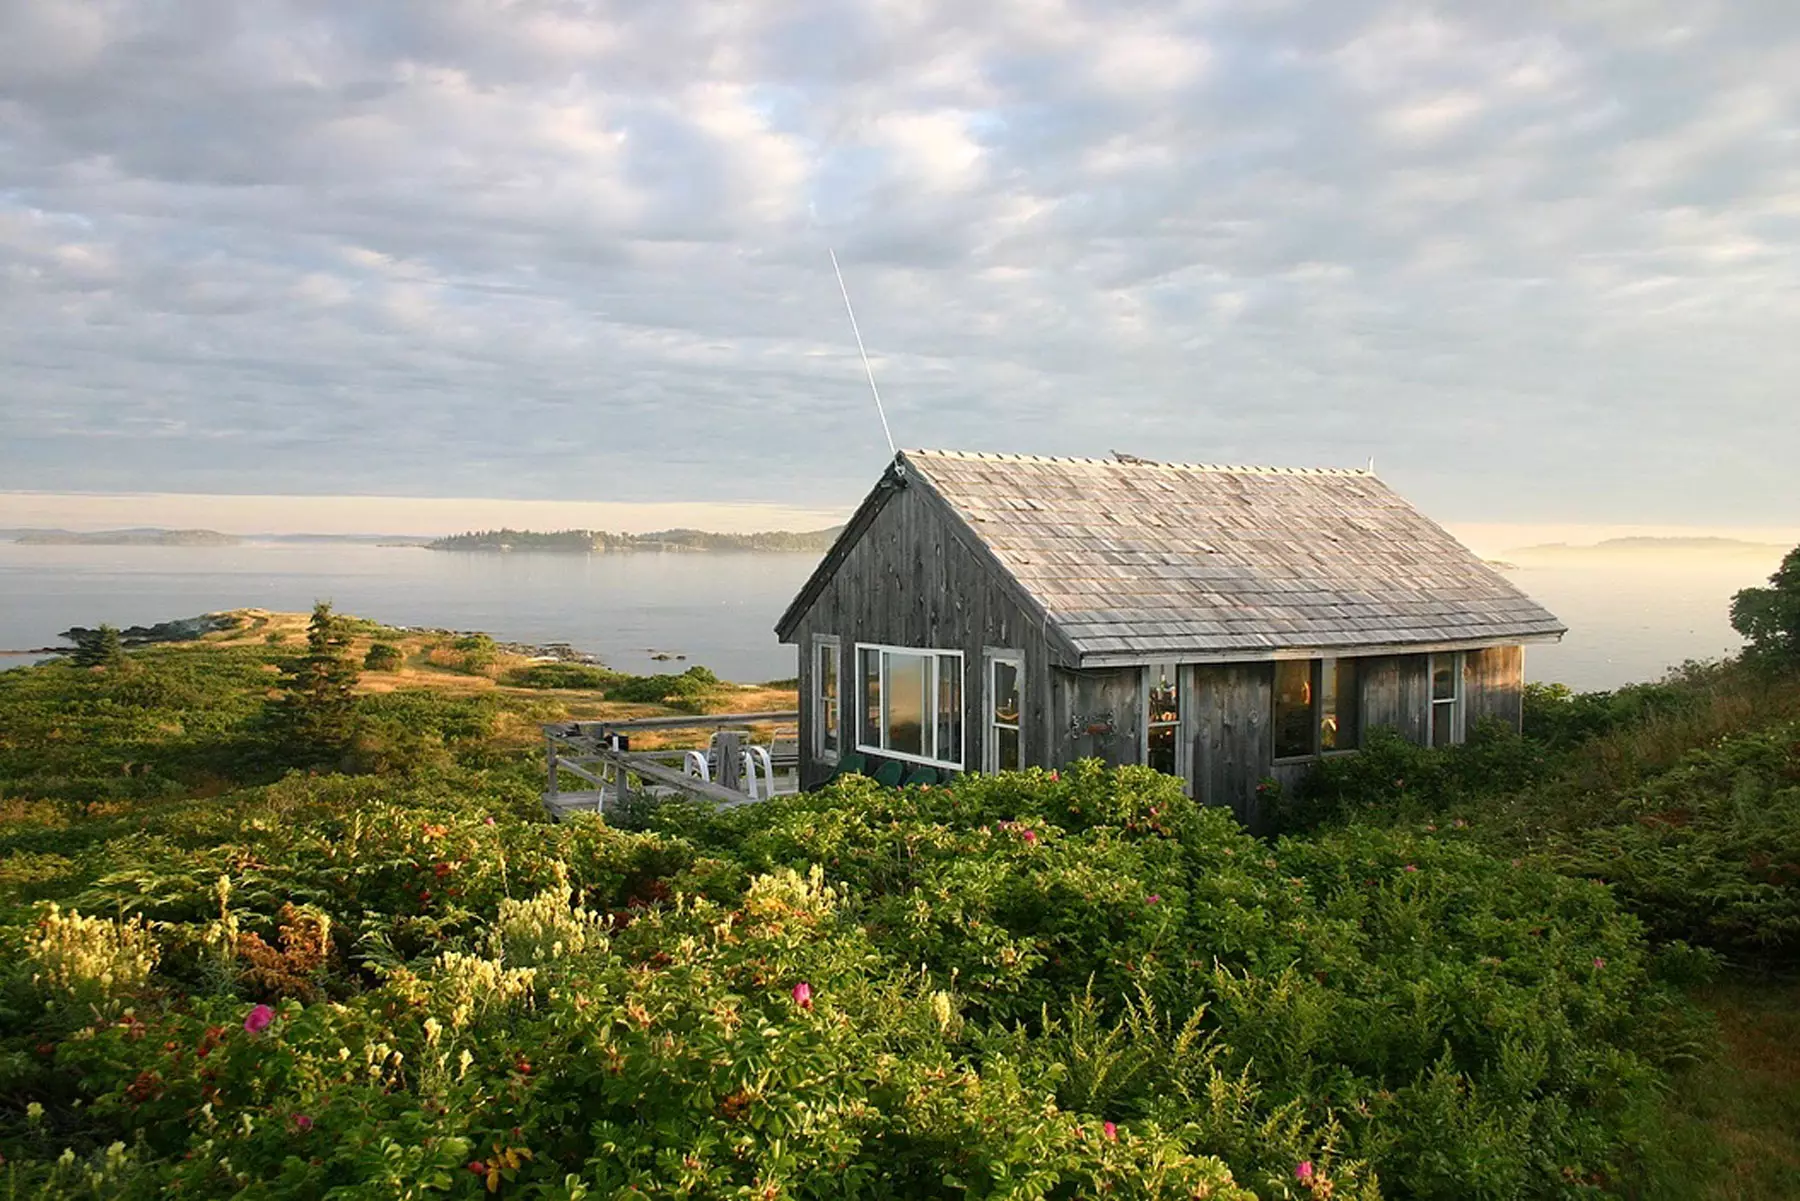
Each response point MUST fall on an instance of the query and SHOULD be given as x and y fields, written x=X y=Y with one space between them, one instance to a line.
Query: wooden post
x=550 y=750
x=730 y=748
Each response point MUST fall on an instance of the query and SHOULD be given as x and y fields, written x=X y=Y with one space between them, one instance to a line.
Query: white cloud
x=533 y=246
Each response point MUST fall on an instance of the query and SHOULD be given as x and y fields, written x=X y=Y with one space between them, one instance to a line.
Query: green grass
x=1732 y=1128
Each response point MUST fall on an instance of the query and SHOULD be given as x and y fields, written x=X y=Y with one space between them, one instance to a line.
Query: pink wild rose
x=1411 y=868
x=302 y=1122
x=259 y=1019
x=803 y=995
x=1598 y=962
x=1303 y=1171
x=1029 y=836
x=1153 y=898
x=1111 y=1131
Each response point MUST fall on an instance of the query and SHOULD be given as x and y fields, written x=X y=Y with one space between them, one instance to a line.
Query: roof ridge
x=1222 y=468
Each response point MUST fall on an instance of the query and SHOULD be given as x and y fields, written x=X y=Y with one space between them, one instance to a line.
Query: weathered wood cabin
x=1226 y=625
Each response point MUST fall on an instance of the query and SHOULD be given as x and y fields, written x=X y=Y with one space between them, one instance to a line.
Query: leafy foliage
x=690 y=690
x=1769 y=618
x=561 y=675
x=383 y=656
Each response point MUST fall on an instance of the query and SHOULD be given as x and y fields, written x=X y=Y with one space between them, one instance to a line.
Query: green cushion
x=888 y=774
x=852 y=764
x=920 y=775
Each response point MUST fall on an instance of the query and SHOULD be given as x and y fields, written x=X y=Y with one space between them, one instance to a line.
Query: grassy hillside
x=1511 y=970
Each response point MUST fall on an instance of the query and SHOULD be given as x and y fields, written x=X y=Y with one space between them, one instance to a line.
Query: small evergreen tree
x=314 y=720
x=99 y=648
x=1769 y=618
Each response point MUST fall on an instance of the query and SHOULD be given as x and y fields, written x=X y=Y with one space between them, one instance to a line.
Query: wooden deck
x=607 y=772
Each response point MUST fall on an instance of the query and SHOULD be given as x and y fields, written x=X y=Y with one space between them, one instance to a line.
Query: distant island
x=1643 y=545
x=601 y=541
x=136 y=537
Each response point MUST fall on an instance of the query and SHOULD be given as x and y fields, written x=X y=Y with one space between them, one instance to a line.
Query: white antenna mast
x=892 y=449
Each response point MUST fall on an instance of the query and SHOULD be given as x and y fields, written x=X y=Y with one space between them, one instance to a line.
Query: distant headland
x=1650 y=545
x=603 y=542
x=134 y=537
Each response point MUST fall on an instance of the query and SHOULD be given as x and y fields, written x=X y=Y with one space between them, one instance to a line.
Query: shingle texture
x=1134 y=559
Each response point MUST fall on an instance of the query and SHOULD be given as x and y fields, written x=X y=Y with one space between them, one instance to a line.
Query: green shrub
x=1709 y=852
x=383 y=656
x=561 y=675
x=690 y=690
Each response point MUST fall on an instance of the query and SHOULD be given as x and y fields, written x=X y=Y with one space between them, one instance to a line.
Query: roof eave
x=1103 y=659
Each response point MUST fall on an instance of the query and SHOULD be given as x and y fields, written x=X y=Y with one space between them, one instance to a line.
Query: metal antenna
x=839 y=271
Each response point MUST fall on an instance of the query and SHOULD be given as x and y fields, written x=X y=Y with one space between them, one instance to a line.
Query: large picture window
x=1005 y=673
x=912 y=704
x=1315 y=707
x=827 y=699
x=1446 y=699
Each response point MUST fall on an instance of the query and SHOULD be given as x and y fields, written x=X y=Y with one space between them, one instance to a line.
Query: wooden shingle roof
x=1136 y=561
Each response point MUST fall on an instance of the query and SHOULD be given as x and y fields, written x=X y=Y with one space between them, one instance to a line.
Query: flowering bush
x=1033 y=984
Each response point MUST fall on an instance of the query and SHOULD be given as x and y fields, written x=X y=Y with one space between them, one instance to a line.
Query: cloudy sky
x=1540 y=260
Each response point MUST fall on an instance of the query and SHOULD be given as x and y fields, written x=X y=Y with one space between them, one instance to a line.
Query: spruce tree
x=99 y=648
x=314 y=721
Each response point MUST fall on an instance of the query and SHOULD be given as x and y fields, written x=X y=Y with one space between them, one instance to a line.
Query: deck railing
x=598 y=755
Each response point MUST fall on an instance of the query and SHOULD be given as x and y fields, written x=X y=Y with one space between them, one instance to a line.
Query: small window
x=912 y=704
x=1338 y=713
x=1004 y=695
x=827 y=701
x=1162 y=719
x=1296 y=718
x=1446 y=699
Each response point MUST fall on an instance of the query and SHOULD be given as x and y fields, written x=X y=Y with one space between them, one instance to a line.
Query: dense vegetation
x=1461 y=974
x=585 y=541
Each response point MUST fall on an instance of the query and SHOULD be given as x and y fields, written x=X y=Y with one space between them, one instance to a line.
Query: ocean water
x=1630 y=616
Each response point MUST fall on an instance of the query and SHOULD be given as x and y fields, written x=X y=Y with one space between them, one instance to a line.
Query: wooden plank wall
x=1231 y=744
x=1396 y=692
x=1494 y=685
x=910 y=581
x=1080 y=699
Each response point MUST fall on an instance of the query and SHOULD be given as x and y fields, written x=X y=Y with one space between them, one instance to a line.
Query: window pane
x=871 y=686
x=1165 y=702
x=1337 y=724
x=1006 y=749
x=828 y=697
x=908 y=676
x=1162 y=748
x=1006 y=692
x=949 y=709
x=1295 y=715
x=1443 y=677
x=1443 y=723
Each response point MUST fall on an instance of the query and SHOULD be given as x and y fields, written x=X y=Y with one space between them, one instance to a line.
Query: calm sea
x=1629 y=617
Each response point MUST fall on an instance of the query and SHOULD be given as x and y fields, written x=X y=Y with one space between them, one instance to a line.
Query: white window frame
x=937 y=657
x=819 y=700
x=1183 y=771
x=1458 y=710
x=990 y=745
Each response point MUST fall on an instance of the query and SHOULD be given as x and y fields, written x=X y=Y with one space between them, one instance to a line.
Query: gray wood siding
x=1233 y=747
x=911 y=581
x=1080 y=699
x=1494 y=685
x=1396 y=693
